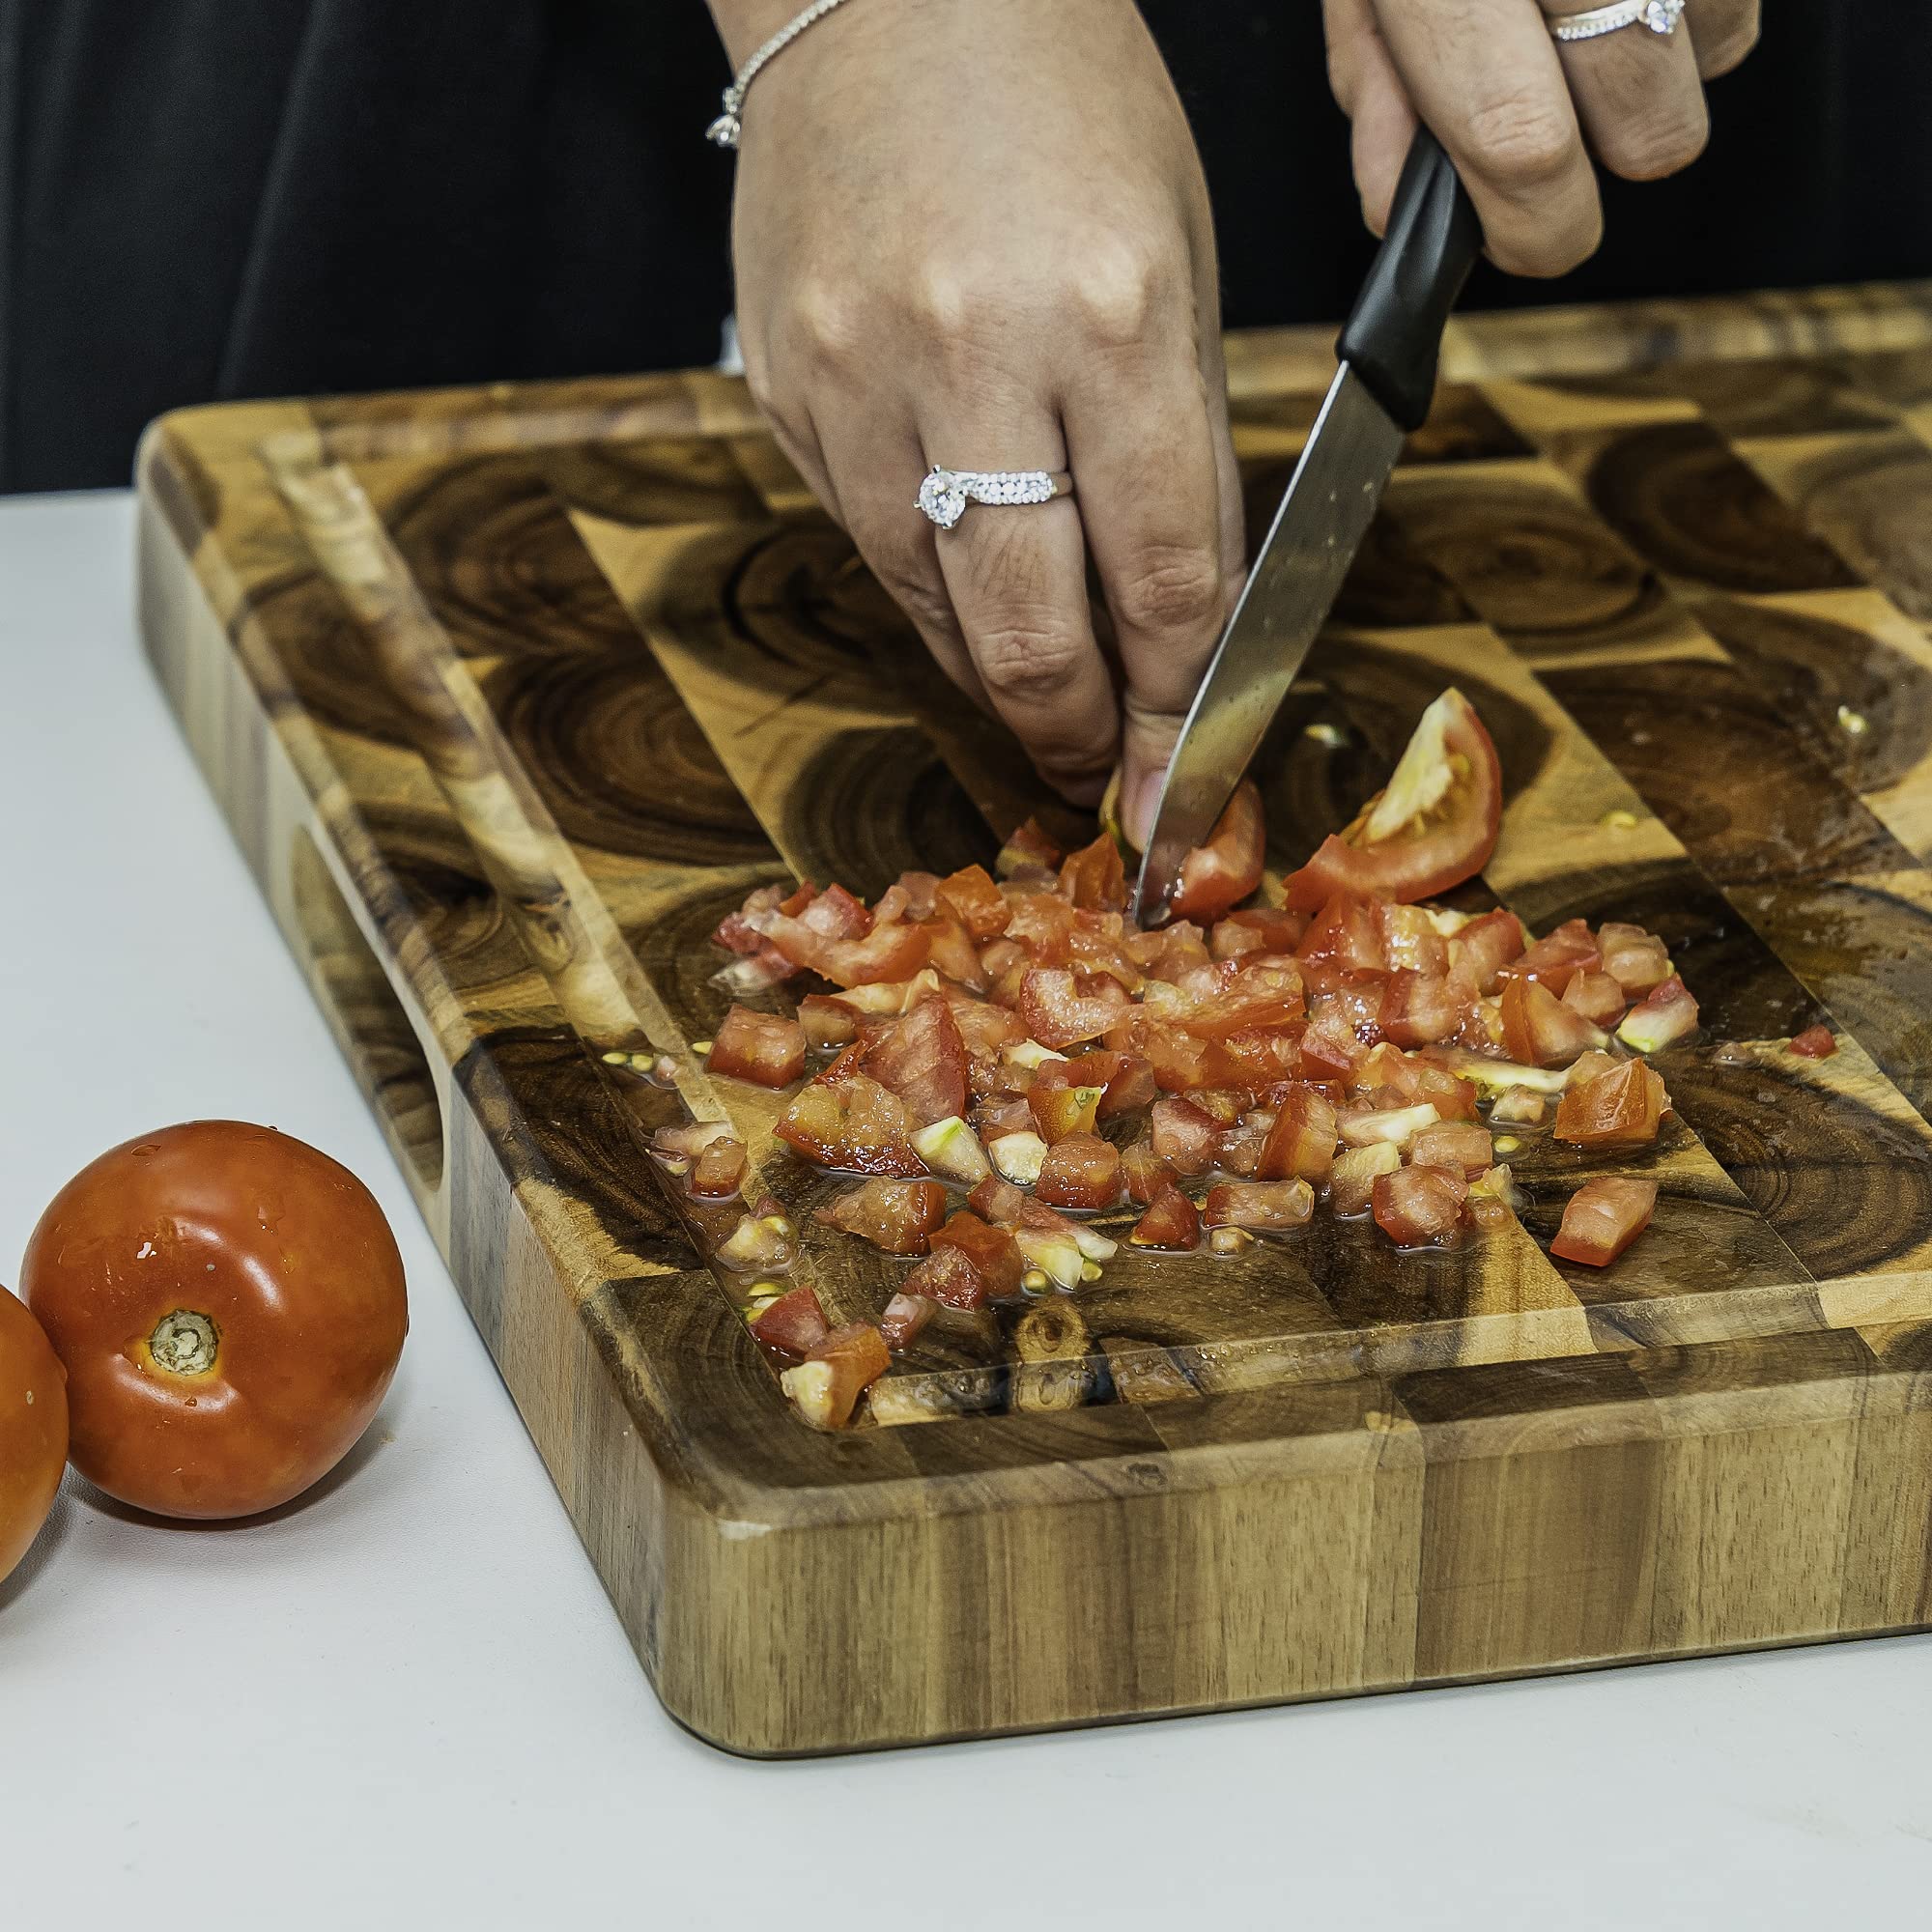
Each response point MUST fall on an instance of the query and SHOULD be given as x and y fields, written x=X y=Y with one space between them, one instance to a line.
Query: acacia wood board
x=510 y=692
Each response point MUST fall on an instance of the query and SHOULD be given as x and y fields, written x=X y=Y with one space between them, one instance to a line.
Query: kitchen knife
x=1388 y=352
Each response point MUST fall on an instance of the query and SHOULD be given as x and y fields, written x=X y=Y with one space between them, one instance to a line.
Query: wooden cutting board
x=510 y=692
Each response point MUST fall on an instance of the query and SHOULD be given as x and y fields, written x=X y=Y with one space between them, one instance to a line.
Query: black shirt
x=221 y=198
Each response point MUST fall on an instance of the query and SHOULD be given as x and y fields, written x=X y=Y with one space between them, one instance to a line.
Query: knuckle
x=1648 y=150
x=913 y=590
x=1524 y=142
x=1178 y=588
x=1022 y=658
x=829 y=322
x=1120 y=284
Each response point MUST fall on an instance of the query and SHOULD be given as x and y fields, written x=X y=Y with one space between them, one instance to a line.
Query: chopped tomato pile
x=991 y=1059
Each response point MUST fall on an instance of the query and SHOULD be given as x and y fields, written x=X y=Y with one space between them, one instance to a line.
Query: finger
x=875 y=468
x=1485 y=75
x=1141 y=437
x=1638 y=98
x=1723 y=32
x=1368 y=89
x=1017 y=579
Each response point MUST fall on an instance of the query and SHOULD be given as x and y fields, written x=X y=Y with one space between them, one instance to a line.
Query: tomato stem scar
x=184 y=1343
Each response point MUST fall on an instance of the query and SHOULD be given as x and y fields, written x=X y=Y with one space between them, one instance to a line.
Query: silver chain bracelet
x=725 y=129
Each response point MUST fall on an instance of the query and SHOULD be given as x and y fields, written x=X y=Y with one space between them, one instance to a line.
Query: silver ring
x=1661 y=17
x=946 y=493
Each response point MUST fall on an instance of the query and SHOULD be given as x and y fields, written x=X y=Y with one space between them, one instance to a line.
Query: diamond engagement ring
x=1661 y=17
x=946 y=493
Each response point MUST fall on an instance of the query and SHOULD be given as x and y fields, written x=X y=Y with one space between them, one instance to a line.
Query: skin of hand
x=1521 y=113
x=974 y=233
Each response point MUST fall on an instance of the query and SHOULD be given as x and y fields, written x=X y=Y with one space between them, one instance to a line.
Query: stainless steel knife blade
x=1330 y=502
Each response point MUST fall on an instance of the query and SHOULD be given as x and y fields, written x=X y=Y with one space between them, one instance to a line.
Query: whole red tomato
x=229 y=1304
x=33 y=1428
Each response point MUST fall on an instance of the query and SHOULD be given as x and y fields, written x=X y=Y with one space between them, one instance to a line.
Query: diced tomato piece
x=1300 y=1146
x=1169 y=1222
x=1493 y=1201
x=1042 y=923
x=997 y=1200
x=948 y=1277
x=794 y=905
x=1330 y=1048
x=921 y=1057
x=720 y=1170
x=896 y=1215
x=1815 y=1043
x=1418 y=1010
x=1595 y=996
x=921 y=891
x=1345 y=933
x=1257 y=929
x=1479 y=953
x=990 y=1249
x=1410 y=1079
x=1126 y=1080
x=1176 y=949
x=794 y=1323
x=1222 y=1103
x=1255 y=1061
x=1635 y=959
x=1665 y=1014
x=1231 y=997
x=1410 y=941
x=1143 y=1172
x=1557 y=958
x=827 y=1022
x=1178 y=1060
x=887 y=999
x=1519 y=1107
x=1218 y=875
x=1183 y=1135
x=905 y=1318
x=851 y=1121
x=1027 y=846
x=763 y=1048
x=1094 y=876
x=1435 y=826
x=1058 y=1013
x=1058 y=1107
x=1602 y=1218
x=1351 y=1186
x=827 y=1383
x=1420 y=1206
x=1241 y=1148
x=836 y=914
x=985 y=1028
x=1261 y=1207
x=689 y=1138
x=976 y=903
x=952 y=953
x=1539 y=1030
x=1461 y=1145
x=1619 y=1107
x=888 y=951
x=1000 y=1118
x=1082 y=1171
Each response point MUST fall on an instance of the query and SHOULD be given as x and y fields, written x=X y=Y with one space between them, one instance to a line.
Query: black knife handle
x=1394 y=333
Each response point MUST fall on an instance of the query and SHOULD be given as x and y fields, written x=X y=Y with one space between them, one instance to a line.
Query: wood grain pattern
x=510 y=692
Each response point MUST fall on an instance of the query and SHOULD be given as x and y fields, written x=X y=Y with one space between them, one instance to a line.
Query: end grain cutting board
x=509 y=693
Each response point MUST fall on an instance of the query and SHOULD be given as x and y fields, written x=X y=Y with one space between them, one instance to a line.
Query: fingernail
x=1142 y=796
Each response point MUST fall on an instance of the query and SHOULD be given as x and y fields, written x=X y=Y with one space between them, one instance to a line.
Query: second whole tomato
x=229 y=1305
x=33 y=1428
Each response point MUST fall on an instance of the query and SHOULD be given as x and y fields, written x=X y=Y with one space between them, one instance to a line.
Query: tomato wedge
x=1433 y=827
x=1602 y=1218
x=1215 y=877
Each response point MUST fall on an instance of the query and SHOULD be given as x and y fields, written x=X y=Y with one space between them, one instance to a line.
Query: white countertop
x=407 y=1702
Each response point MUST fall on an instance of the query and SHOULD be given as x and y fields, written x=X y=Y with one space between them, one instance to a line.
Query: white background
x=405 y=1701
